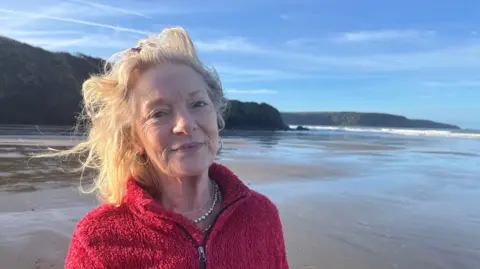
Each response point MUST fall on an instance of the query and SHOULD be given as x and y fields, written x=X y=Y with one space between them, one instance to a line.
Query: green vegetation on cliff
x=359 y=119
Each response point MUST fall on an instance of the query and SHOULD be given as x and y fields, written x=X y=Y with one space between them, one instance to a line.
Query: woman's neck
x=185 y=194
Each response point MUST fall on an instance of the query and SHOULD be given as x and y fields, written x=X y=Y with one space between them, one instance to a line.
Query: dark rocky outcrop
x=44 y=88
x=250 y=115
x=41 y=87
x=359 y=119
x=301 y=128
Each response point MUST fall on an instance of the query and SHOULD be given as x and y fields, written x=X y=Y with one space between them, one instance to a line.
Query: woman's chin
x=191 y=165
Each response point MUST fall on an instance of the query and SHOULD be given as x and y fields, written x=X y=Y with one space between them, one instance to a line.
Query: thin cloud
x=303 y=42
x=51 y=43
x=300 y=64
x=453 y=84
x=83 y=22
x=110 y=8
x=229 y=44
x=28 y=33
x=465 y=55
x=86 y=41
x=381 y=35
x=453 y=57
x=241 y=74
x=25 y=22
x=236 y=91
x=66 y=43
x=230 y=70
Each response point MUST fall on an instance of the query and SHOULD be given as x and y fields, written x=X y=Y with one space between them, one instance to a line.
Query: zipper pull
x=203 y=259
x=201 y=251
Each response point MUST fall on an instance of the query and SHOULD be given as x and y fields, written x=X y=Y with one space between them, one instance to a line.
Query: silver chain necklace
x=210 y=210
x=220 y=201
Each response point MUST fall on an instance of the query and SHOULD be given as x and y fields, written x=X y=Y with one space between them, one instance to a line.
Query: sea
x=349 y=197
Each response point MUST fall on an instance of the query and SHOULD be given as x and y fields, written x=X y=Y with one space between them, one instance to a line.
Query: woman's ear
x=137 y=145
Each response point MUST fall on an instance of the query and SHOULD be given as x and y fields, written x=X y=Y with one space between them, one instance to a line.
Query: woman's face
x=176 y=122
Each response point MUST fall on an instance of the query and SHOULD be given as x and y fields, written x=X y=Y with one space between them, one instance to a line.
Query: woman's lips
x=189 y=147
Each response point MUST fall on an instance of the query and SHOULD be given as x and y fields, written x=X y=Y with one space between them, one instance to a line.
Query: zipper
x=203 y=259
x=201 y=248
x=218 y=215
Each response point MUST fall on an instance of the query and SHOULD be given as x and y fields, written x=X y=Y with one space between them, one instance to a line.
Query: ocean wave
x=398 y=131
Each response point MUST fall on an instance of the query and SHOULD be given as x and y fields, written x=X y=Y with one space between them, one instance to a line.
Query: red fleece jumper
x=140 y=233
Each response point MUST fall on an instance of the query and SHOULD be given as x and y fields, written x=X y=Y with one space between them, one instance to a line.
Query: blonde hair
x=108 y=112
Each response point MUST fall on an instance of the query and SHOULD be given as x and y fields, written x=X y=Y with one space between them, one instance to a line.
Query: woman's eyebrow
x=155 y=102
x=161 y=101
x=194 y=93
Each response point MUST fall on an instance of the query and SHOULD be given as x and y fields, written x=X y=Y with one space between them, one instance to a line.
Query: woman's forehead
x=170 y=81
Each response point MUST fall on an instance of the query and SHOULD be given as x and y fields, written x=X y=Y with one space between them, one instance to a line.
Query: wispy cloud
x=465 y=55
x=30 y=33
x=71 y=20
x=87 y=41
x=382 y=35
x=242 y=74
x=263 y=91
x=110 y=8
x=230 y=70
x=303 y=41
x=453 y=84
x=462 y=55
x=434 y=93
x=280 y=62
x=228 y=44
x=66 y=43
x=25 y=22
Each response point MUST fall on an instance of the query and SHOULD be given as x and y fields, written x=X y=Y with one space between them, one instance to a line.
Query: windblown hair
x=108 y=111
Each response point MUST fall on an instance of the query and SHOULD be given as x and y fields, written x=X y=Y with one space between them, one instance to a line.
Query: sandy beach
x=345 y=201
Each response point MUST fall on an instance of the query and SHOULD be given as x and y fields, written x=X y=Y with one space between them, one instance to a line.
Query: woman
x=153 y=135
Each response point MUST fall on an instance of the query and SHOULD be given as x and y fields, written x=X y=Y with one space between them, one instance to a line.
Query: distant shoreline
x=64 y=135
x=451 y=133
x=360 y=119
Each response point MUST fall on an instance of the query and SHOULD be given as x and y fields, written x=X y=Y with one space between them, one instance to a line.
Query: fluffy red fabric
x=142 y=234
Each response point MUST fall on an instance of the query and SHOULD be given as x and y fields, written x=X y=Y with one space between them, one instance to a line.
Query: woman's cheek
x=158 y=135
x=153 y=134
x=147 y=127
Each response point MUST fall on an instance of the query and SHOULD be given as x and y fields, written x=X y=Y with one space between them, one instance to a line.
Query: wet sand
x=35 y=227
x=339 y=210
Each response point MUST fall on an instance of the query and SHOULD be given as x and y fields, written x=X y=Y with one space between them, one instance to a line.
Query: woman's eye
x=158 y=114
x=199 y=104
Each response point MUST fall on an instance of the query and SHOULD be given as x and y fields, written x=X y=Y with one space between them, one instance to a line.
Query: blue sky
x=420 y=59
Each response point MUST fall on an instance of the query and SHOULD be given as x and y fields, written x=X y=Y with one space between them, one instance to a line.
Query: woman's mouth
x=189 y=147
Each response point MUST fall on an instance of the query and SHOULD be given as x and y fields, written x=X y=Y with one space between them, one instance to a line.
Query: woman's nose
x=184 y=123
